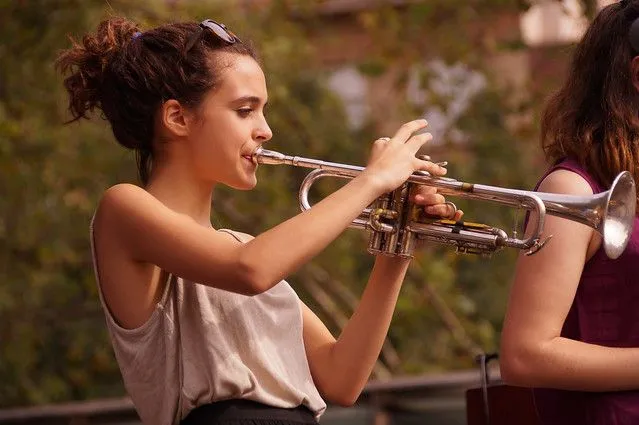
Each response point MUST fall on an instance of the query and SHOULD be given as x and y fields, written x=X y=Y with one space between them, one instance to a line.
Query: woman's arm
x=532 y=351
x=341 y=368
x=148 y=232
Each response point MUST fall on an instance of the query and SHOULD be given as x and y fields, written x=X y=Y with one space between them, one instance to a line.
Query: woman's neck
x=182 y=192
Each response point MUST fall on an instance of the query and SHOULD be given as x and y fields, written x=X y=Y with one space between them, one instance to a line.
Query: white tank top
x=203 y=344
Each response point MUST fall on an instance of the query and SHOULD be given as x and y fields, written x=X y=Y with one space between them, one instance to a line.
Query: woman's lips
x=249 y=158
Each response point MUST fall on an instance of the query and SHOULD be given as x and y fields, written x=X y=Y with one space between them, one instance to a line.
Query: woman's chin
x=245 y=185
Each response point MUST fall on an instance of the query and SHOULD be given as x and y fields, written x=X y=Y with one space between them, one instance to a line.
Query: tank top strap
x=571 y=164
x=238 y=236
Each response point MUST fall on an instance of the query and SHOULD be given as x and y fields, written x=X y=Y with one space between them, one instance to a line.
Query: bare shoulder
x=123 y=190
x=123 y=198
x=565 y=181
x=129 y=206
x=126 y=213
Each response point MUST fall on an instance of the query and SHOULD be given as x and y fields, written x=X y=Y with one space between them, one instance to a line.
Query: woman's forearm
x=572 y=365
x=358 y=346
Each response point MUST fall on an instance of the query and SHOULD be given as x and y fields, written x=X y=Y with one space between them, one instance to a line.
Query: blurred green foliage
x=53 y=342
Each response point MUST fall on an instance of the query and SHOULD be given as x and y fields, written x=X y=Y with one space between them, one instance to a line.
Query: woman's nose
x=264 y=133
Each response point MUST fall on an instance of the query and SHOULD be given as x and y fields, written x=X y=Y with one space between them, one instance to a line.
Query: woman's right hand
x=393 y=160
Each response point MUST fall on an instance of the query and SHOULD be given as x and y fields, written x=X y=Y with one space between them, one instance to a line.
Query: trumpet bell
x=620 y=210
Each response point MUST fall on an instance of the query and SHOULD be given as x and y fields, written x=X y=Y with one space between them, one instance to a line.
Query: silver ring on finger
x=384 y=139
x=452 y=216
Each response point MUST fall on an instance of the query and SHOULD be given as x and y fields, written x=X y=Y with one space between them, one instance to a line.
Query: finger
x=452 y=208
x=428 y=158
x=432 y=168
x=429 y=199
x=447 y=210
x=422 y=190
x=378 y=146
x=439 y=210
x=380 y=142
x=407 y=130
x=418 y=140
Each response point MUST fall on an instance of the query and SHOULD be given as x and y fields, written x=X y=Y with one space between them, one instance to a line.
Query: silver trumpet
x=395 y=223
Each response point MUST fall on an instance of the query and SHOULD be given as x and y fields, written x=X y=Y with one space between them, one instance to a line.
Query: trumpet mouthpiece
x=264 y=156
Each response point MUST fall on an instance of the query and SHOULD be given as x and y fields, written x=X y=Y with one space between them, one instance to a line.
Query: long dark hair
x=594 y=117
x=128 y=74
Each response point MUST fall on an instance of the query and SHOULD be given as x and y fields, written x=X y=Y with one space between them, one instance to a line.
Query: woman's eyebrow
x=253 y=100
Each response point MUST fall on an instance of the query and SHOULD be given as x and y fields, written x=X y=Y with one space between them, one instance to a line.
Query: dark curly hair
x=594 y=117
x=128 y=74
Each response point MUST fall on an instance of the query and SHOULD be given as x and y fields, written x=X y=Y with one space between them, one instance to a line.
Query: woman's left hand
x=434 y=203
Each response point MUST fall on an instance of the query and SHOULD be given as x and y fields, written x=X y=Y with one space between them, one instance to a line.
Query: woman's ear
x=634 y=72
x=173 y=118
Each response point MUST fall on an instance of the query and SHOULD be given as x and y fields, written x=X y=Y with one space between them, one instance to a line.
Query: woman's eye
x=244 y=112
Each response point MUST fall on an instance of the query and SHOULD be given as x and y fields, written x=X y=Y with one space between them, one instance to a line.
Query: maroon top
x=605 y=311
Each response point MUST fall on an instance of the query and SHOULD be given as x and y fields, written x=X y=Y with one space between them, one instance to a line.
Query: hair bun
x=87 y=60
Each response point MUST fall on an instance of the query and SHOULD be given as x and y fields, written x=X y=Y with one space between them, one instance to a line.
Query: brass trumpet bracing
x=396 y=223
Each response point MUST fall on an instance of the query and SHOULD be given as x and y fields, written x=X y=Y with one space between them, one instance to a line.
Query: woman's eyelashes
x=244 y=112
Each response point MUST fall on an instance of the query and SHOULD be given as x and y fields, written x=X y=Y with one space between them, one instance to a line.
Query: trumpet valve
x=376 y=220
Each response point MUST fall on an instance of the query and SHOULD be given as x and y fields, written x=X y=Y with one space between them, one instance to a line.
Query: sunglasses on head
x=216 y=28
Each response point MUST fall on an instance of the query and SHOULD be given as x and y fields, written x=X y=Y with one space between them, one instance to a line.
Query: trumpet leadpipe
x=263 y=156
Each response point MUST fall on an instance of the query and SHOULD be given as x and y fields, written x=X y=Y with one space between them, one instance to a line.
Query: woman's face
x=231 y=125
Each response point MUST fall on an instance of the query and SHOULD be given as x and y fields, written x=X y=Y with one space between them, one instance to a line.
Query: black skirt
x=247 y=412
